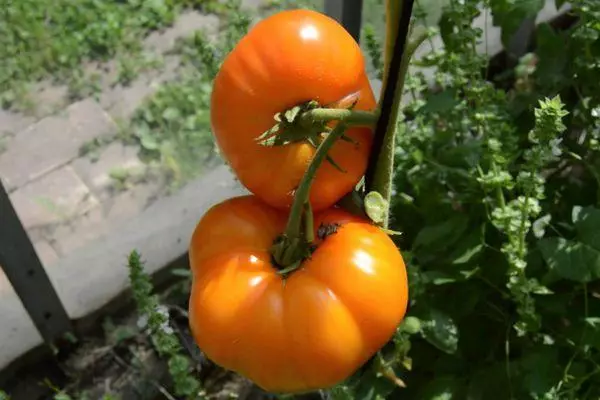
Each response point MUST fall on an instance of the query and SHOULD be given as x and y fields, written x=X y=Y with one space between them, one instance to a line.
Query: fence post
x=348 y=13
x=27 y=276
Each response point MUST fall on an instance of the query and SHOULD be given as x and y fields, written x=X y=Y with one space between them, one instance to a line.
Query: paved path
x=64 y=199
x=68 y=201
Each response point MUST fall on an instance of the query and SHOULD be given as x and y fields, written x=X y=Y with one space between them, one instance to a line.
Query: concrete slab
x=17 y=332
x=122 y=101
x=45 y=252
x=12 y=122
x=96 y=173
x=161 y=234
x=99 y=221
x=185 y=25
x=52 y=142
x=57 y=196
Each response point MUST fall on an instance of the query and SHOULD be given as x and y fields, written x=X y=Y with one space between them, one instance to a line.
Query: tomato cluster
x=314 y=325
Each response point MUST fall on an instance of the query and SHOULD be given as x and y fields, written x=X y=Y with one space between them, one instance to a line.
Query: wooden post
x=27 y=276
x=348 y=13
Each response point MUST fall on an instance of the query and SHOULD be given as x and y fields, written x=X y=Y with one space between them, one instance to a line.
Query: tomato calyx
x=309 y=122
x=290 y=127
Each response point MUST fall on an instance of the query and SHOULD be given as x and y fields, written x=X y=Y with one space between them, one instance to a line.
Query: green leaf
x=438 y=278
x=468 y=248
x=542 y=370
x=551 y=63
x=372 y=386
x=431 y=10
x=440 y=330
x=540 y=224
x=509 y=14
x=183 y=272
x=491 y=382
x=376 y=207
x=171 y=114
x=587 y=223
x=441 y=388
x=411 y=325
x=437 y=237
x=148 y=141
x=593 y=322
x=571 y=260
x=441 y=102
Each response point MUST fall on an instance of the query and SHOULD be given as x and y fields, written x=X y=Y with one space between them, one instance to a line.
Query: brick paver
x=56 y=197
x=52 y=142
x=96 y=173
x=12 y=122
x=46 y=253
x=97 y=222
x=185 y=25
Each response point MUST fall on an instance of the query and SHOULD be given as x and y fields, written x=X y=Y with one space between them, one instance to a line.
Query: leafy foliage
x=498 y=201
x=156 y=319
x=172 y=127
x=48 y=38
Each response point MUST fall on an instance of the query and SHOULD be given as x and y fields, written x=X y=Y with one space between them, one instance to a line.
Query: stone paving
x=65 y=200
x=68 y=201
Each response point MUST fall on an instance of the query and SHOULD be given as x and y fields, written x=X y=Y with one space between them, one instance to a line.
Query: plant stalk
x=286 y=252
x=378 y=177
x=349 y=117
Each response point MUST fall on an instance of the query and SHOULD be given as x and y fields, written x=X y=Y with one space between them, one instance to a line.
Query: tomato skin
x=285 y=60
x=308 y=331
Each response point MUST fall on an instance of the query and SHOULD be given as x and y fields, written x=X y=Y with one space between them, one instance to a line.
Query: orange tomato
x=285 y=60
x=307 y=331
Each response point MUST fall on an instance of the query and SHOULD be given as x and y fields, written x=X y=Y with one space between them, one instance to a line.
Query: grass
x=173 y=126
x=52 y=40
x=42 y=39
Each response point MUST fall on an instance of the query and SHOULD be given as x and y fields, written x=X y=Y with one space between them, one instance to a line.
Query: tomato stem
x=309 y=224
x=399 y=50
x=349 y=117
x=293 y=244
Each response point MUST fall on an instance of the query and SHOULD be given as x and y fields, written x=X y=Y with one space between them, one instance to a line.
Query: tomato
x=309 y=330
x=285 y=60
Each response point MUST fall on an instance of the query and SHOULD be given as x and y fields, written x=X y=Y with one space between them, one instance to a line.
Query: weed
x=157 y=322
x=50 y=38
x=173 y=125
x=81 y=85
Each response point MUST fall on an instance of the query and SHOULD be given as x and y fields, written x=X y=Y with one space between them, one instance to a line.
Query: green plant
x=496 y=192
x=155 y=318
x=173 y=125
x=49 y=39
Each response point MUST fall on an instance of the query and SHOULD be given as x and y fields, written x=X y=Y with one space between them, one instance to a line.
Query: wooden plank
x=27 y=276
x=348 y=13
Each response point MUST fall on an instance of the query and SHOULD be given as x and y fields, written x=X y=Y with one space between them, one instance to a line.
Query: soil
x=116 y=357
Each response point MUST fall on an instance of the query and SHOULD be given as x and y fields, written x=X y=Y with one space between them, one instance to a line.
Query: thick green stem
x=349 y=117
x=381 y=164
x=309 y=223
x=288 y=250
x=393 y=11
x=302 y=193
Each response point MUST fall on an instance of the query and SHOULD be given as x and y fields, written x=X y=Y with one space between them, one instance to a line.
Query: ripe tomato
x=310 y=330
x=285 y=60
